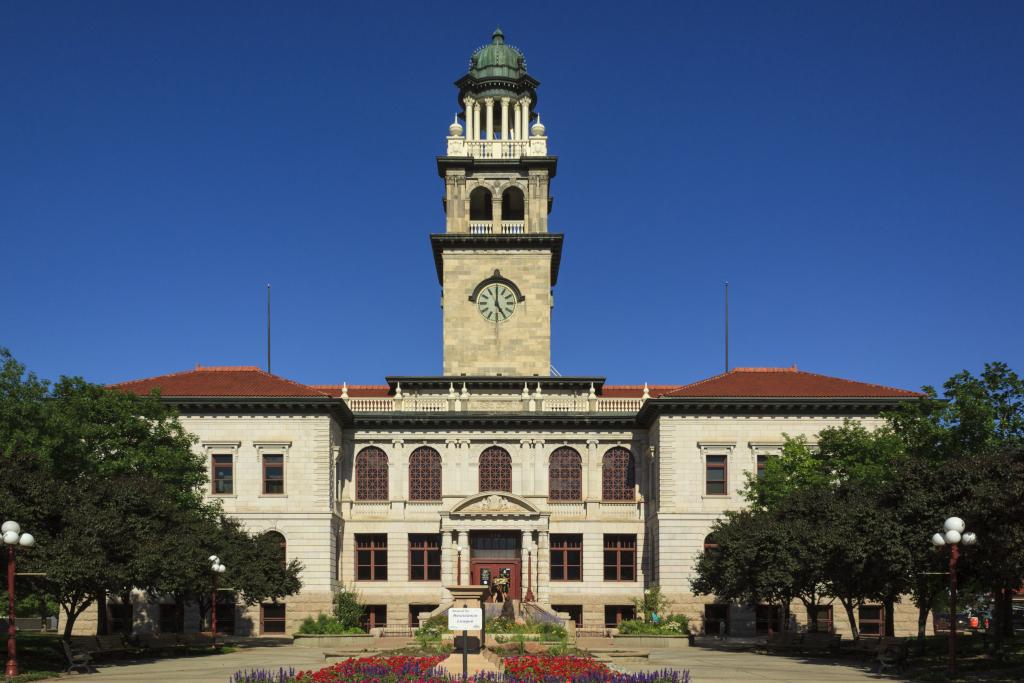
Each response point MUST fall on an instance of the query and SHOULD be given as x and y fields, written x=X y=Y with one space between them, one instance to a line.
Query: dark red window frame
x=425 y=474
x=372 y=474
x=565 y=475
x=374 y=616
x=713 y=486
x=616 y=614
x=566 y=557
x=825 y=617
x=273 y=474
x=275 y=621
x=620 y=557
x=371 y=557
x=618 y=475
x=495 y=468
x=222 y=474
x=762 y=466
x=424 y=557
x=875 y=624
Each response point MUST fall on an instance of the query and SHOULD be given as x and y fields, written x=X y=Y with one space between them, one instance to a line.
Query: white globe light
x=969 y=538
x=27 y=540
x=937 y=539
x=221 y=569
x=952 y=536
x=214 y=559
x=11 y=537
x=10 y=526
x=955 y=524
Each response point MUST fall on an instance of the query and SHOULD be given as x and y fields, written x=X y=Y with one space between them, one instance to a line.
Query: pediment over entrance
x=494 y=503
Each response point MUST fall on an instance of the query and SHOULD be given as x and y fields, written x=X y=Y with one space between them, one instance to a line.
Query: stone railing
x=369 y=508
x=481 y=227
x=624 y=510
x=569 y=509
x=507 y=404
x=513 y=227
x=536 y=146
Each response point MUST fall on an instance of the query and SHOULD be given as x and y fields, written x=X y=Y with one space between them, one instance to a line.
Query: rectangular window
x=226 y=617
x=871 y=619
x=271 y=618
x=716 y=620
x=415 y=611
x=716 y=475
x=371 y=557
x=566 y=557
x=223 y=474
x=171 y=618
x=575 y=612
x=762 y=465
x=119 y=617
x=273 y=474
x=424 y=557
x=620 y=557
x=824 y=619
x=768 y=617
x=374 y=616
x=616 y=614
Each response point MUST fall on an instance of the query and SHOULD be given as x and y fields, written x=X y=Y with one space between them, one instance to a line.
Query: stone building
x=581 y=493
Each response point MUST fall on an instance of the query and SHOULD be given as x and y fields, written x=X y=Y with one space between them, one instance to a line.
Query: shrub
x=347 y=609
x=431 y=629
x=652 y=602
x=676 y=624
x=326 y=625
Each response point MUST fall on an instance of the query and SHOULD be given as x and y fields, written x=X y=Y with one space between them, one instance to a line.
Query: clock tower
x=496 y=260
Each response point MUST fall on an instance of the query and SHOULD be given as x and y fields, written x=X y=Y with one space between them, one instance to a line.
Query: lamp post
x=458 y=565
x=12 y=536
x=954 y=535
x=529 y=575
x=218 y=568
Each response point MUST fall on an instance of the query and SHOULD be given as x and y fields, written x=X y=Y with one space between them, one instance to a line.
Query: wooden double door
x=491 y=554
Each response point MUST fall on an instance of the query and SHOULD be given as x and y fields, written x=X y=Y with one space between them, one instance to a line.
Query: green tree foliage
x=110 y=486
x=347 y=608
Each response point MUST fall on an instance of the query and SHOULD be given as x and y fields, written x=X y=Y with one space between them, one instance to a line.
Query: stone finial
x=464 y=394
x=398 y=390
x=455 y=130
x=537 y=393
x=647 y=393
x=526 y=391
x=344 y=390
x=451 y=391
x=592 y=394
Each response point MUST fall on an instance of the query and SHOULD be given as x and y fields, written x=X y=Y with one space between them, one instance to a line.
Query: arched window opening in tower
x=425 y=474
x=481 y=207
x=618 y=475
x=495 y=470
x=565 y=475
x=371 y=474
x=513 y=205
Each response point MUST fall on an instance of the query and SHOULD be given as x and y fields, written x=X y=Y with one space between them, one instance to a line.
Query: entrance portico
x=487 y=521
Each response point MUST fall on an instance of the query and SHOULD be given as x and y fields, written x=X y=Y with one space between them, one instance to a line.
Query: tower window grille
x=495 y=470
x=618 y=475
x=425 y=474
x=565 y=475
x=371 y=474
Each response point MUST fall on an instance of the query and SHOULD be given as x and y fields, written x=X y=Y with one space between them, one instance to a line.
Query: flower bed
x=403 y=669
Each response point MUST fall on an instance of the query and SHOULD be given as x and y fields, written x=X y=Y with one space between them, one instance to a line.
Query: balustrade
x=513 y=227
x=374 y=404
x=619 y=405
x=480 y=228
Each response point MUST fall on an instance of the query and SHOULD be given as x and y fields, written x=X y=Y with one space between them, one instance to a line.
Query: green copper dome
x=497 y=70
x=497 y=60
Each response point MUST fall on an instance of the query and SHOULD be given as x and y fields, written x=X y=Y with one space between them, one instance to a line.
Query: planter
x=346 y=641
x=651 y=641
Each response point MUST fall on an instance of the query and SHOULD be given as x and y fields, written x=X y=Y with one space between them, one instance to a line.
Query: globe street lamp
x=955 y=534
x=218 y=568
x=12 y=536
x=458 y=565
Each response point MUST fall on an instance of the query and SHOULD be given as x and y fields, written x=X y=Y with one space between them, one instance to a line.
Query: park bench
x=110 y=645
x=164 y=642
x=864 y=648
x=78 y=659
x=814 y=643
x=892 y=654
x=783 y=641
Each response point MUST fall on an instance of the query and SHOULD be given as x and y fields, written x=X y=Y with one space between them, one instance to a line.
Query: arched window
x=481 y=207
x=618 y=475
x=565 y=475
x=495 y=470
x=710 y=545
x=278 y=539
x=425 y=474
x=371 y=474
x=513 y=207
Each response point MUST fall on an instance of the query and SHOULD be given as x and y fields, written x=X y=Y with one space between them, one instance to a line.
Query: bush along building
x=582 y=494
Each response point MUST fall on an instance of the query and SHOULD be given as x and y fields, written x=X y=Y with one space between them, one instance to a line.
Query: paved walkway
x=474 y=664
x=705 y=665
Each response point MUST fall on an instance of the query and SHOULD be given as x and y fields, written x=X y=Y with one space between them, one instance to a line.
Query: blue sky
x=855 y=170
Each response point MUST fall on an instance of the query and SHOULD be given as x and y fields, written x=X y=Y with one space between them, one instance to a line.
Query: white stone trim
x=725 y=448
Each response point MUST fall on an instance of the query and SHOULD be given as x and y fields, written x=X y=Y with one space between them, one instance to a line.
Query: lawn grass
x=976 y=660
x=39 y=657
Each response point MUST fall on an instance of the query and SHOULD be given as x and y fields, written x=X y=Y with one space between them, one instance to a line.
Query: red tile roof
x=354 y=390
x=232 y=381
x=783 y=383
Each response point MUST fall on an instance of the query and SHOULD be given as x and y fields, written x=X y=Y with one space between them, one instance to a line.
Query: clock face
x=496 y=302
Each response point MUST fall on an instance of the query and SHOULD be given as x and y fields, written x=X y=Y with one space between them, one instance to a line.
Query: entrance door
x=493 y=553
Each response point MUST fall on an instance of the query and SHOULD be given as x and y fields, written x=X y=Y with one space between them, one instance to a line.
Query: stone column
x=398 y=469
x=504 y=118
x=543 y=569
x=489 y=103
x=447 y=559
x=470 y=480
x=540 y=483
x=517 y=130
x=469 y=119
x=524 y=105
x=476 y=120
x=592 y=468
x=464 y=544
x=522 y=480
